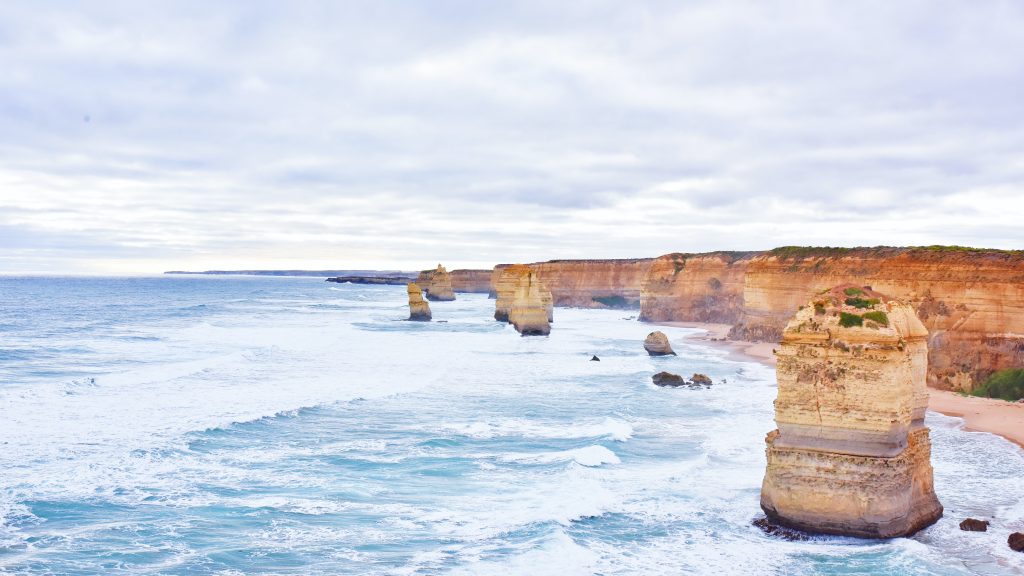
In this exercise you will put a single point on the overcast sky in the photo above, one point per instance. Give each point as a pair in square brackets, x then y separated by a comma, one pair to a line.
[198, 135]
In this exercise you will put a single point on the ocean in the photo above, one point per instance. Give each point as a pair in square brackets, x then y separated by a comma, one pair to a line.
[253, 425]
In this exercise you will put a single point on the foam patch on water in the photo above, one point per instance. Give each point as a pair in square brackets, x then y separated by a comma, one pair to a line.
[617, 430]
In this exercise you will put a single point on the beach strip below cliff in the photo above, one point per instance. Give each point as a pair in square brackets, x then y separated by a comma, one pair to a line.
[998, 417]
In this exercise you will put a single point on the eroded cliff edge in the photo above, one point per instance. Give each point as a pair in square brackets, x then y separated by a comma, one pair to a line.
[971, 301]
[612, 283]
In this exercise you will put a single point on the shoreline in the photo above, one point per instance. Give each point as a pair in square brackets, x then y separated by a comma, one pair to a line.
[999, 417]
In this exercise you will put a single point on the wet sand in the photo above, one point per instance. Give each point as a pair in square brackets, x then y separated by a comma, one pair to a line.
[998, 417]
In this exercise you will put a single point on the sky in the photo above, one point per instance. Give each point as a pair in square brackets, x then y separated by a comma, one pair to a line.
[138, 137]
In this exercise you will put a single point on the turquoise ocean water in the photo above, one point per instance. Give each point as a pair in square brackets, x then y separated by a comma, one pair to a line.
[230, 425]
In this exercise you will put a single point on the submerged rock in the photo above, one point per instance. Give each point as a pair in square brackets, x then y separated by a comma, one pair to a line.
[771, 529]
[1016, 541]
[418, 307]
[529, 314]
[974, 525]
[657, 344]
[668, 379]
[851, 454]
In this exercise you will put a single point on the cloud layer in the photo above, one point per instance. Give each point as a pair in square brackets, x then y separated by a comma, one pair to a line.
[136, 138]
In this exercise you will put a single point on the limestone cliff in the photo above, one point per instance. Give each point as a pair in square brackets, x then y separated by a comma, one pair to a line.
[529, 313]
[590, 283]
[851, 454]
[419, 309]
[463, 280]
[695, 287]
[439, 285]
[972, 301]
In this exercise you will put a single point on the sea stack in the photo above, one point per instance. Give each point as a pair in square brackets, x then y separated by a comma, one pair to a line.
[419, 309]
[440, 288]
[657, 344]
[529, 314]
[505, 289]
[851, 455]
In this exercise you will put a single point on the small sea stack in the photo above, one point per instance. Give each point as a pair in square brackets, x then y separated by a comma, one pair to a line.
[851, 455]
[440, 287]
[528, 313]
[657, 344]
[419, 309]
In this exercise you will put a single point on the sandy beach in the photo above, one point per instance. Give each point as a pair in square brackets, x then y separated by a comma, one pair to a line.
[999, 417]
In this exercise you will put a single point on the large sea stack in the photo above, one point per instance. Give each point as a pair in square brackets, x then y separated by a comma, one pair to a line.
[505, 288]
[529, 313]
[419, 309]
[440, 287]
[851, 454]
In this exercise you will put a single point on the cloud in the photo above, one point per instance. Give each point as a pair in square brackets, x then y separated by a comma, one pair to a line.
[328, 134]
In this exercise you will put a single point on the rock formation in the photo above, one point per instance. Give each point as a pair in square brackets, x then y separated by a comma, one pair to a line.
[440, 286]
[1016, 541]
[851, 454]
[668, 379]
[971, 301]
[463, 280]
[528, 313]
[505, 289]
[657, 344]
[588, 283]
[418, 307]
[974, 525]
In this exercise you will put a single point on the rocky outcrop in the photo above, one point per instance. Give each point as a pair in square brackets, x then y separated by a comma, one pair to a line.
[438, 285]
[971, 301]
[668, 379]
[589, 283]
[419, 309]
[463, 280]
[528, 312]
[1016, 542]
[392, 279]
[657, 344]
[974, 525]
[851, 454]
[695, 288]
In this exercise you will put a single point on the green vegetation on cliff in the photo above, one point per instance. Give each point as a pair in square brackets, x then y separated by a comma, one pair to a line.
[847, 320]
[1005, 384]
[877, 316]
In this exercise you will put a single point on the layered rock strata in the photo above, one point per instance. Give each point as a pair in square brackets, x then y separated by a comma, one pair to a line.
[462, 280]
[419, 309]
[589, 283]
[971, 301]
[656, 344]
[509, 277]
[851, 454]
[528, 312]
[439, 286]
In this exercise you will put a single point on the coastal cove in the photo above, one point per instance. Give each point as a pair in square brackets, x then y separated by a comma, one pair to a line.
[216, 424]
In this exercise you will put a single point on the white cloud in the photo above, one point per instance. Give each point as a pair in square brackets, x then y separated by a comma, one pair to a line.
[241, 135]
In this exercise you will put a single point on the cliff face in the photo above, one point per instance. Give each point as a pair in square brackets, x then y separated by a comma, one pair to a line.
[506, 283]
[590, 283]
[851, 454]
[695, 288]
[971, 301]
[478, 281]
[438, 285]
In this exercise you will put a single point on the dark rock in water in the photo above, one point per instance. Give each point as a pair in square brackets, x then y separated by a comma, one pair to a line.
[1016, 541]
[701, 379]
[657, 344]
[668, 379]
[771, 529]
[595, 359]
[973, 525]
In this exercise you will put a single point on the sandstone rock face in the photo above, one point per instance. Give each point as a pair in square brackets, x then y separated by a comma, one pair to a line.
[418, 307]
[851, 454]
[657, 344]
[508, 276]
[971, 301]
[590, 283]
[695, 288]
[440, 286]
[528, 313]
[464, 280]
[668, 379]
